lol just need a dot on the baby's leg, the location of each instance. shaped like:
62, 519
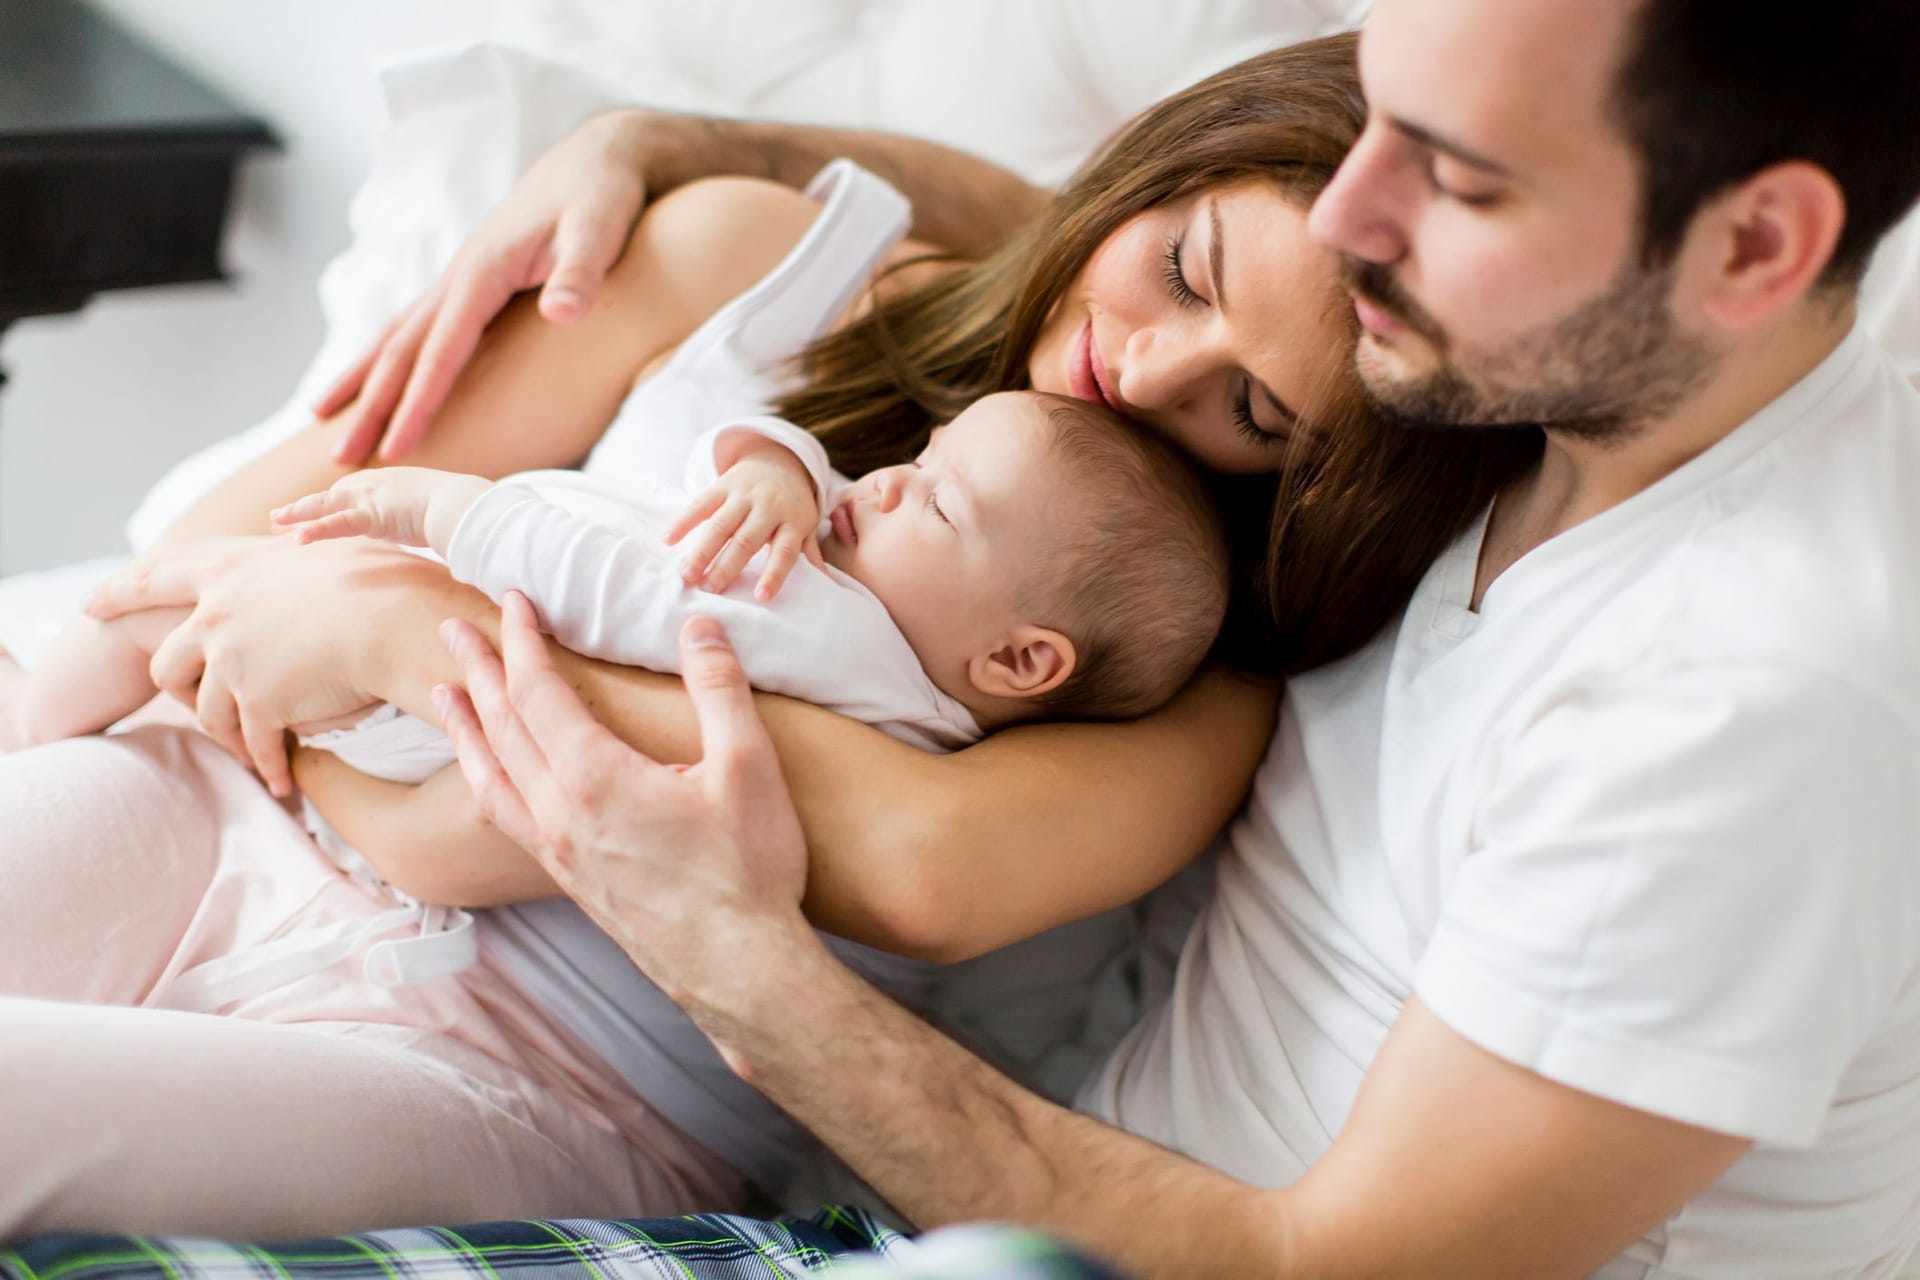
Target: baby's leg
93, 674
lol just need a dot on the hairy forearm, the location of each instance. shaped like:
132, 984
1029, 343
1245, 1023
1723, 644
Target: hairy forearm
960, 1141
429, 841
960, 201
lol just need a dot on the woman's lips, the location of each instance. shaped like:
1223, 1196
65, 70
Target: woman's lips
1087, 376
842, 522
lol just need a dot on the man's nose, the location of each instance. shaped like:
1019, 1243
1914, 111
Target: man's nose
1359, 213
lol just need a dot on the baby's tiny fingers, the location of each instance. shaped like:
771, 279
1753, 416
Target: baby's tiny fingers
752, 535
811, 549
310, 507
698, 511
351, 523
704, 545
781, 558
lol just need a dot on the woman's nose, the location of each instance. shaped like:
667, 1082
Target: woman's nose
1165, 367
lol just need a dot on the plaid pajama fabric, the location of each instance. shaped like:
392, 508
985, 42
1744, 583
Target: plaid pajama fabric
848, 1242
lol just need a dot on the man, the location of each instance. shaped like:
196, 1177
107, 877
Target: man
1577, 913
1628, 797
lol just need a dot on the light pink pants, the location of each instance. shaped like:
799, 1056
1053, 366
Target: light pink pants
328, 1105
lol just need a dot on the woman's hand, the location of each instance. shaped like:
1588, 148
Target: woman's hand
670, 860
562, 226
765, 496
250, 658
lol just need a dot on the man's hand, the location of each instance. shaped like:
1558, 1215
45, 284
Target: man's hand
764, 496
560, 228
676, 862
409, 506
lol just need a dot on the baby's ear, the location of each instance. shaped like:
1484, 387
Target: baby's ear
1033, 661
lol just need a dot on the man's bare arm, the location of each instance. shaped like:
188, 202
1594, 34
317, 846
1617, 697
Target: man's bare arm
961, 202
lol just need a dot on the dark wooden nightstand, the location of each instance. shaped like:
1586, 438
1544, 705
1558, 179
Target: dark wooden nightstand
116, 167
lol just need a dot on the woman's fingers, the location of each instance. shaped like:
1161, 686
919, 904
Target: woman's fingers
147, 584
219, 715
266, 748
500, 800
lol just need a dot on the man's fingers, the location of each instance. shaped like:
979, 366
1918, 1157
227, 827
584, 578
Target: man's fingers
555, 718
448, 345
385, 382
732, 737
500, 800
587, 241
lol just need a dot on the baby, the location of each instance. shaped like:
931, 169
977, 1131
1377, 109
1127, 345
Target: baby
1041, 557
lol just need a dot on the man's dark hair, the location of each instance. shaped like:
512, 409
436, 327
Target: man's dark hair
1711, 92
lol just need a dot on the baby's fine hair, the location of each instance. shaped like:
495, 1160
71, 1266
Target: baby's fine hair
1138, 578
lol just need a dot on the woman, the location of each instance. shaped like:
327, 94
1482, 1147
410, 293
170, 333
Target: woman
1173, 279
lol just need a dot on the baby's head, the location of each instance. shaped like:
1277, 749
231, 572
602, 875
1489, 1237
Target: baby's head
1043, 556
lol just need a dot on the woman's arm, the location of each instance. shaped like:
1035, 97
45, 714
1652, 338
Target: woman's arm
941, 857
428, 841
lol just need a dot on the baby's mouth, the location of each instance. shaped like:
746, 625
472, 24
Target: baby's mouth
842, 522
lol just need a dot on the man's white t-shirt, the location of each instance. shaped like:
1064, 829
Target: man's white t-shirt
1648, 823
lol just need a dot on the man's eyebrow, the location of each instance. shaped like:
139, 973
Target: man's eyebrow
1217, 255
1428, 138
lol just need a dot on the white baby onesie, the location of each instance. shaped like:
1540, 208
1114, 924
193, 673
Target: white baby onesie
594, 562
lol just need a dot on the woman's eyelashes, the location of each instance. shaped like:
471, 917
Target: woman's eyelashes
1176, 279
1243, 420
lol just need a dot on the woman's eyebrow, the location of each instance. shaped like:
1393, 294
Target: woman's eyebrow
1217, 256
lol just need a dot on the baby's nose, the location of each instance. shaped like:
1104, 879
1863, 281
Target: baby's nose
888, 486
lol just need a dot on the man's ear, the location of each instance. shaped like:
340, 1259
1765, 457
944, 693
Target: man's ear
1033, 661
1767, 241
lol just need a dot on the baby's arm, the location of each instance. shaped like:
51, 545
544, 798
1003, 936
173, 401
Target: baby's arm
93, 674
763, 483
411, 506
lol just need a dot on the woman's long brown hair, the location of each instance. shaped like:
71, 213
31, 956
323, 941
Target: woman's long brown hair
1328, 551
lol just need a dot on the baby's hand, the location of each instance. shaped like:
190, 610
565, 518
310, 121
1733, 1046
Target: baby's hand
765, 496
412, 506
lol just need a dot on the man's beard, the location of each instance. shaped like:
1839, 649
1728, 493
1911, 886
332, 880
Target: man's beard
1601, 372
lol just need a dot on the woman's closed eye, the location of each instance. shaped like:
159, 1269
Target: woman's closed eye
1176, 279
1243, 420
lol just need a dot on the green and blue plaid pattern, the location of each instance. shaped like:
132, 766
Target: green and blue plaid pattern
848, 1242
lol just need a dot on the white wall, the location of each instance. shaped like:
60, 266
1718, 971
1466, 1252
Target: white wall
99, 403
